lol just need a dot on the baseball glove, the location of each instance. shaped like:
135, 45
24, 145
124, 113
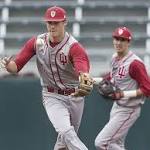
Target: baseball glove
108, 90
85, 85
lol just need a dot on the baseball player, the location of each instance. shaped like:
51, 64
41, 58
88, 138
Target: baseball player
129, 74
63, 66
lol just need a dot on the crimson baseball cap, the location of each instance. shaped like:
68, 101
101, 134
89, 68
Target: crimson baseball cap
55, 13
122, 32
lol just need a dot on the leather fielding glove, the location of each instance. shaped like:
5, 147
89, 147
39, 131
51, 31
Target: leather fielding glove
85, 85
108, 90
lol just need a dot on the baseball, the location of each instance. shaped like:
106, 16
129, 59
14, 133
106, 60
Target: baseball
39, 42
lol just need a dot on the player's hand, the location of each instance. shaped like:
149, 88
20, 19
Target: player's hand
8, 64
85, 85
5, 61
116, 95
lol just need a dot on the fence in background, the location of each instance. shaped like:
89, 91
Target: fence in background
24, 124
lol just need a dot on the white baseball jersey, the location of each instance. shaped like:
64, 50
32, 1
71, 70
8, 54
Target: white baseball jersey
121, 77
52, 61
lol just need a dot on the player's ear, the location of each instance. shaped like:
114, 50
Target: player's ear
65, 22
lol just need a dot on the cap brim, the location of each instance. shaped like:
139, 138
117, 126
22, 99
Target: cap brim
54, 20
121, 37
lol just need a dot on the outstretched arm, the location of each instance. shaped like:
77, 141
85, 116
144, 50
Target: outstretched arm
80, 61
16, 64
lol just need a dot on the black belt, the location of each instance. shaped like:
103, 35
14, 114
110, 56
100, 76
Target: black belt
61, 91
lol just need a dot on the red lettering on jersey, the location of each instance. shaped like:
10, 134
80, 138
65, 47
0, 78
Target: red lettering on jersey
63, 58
122, 72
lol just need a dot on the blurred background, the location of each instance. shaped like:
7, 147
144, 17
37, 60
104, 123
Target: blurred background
23, 121
90, 21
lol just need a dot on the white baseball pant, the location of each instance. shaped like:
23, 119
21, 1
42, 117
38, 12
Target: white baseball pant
112, 136
65, 113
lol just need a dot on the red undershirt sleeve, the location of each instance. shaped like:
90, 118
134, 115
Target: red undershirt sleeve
138, 72
79, 58
25, 54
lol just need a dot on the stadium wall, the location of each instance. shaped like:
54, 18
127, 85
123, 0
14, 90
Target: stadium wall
24, 124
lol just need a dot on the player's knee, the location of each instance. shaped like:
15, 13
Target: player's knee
70, 135
64, 148
100, 144
69, 132
62, 129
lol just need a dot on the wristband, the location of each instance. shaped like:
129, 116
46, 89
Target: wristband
129, 94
